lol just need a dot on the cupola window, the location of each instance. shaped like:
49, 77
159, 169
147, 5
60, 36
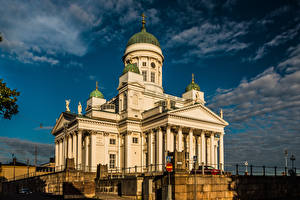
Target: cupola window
144, 73
153, 77
144, 63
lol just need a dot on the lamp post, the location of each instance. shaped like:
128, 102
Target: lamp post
286, 160
293, 158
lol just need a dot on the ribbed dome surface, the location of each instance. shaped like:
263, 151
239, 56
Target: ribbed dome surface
143, 37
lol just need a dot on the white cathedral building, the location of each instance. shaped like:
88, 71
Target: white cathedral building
141, 124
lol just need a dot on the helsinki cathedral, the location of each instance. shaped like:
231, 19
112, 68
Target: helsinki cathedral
141, 125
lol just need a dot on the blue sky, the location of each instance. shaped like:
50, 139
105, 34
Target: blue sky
245, 56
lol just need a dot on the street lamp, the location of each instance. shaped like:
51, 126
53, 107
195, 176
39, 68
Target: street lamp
293, 158
286, 157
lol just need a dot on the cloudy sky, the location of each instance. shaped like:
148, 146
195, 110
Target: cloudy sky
245, 56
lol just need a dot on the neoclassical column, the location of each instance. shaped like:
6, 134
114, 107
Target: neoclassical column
92, 151
212, 142
150, 148
198, 150
64, 150
180, 142
70, 146
61, 153
203, 148
74, 139
87, 141
221, 151
168, 138
79, 149
159, 149
119, 151
216, 155
127, 149
191, 152
56, 154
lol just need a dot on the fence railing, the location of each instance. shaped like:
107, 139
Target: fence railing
259, 170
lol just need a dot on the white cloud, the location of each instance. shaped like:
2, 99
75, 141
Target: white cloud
276, 41
263, 113
210, 39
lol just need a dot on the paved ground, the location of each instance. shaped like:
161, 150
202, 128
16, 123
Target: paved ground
42, 196
34, 196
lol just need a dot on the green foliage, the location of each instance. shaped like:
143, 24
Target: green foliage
8, 98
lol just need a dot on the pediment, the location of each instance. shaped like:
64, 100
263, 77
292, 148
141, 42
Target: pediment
62, 120
199, 112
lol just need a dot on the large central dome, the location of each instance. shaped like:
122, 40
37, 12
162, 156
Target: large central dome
143, 37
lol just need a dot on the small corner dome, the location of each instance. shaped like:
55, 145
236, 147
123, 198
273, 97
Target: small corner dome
96, 93
143, 37
131, 68
192, 86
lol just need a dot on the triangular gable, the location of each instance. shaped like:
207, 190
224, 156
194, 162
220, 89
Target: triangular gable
63, 118
199, 112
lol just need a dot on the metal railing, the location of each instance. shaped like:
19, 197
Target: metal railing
259, 170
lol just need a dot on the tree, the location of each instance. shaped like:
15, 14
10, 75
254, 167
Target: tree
8, 99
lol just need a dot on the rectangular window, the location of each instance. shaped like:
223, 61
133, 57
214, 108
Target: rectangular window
144, 64
135, 140
144, 73
112, 141
112, 160
153, 77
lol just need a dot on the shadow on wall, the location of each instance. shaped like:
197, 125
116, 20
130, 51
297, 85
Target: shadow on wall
265, 187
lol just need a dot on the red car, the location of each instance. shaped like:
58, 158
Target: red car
207, 170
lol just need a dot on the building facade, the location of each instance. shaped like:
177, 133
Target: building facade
138, 127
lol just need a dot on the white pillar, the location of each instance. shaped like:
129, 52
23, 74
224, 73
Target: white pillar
56, 154
61, 154
199, 150
212, 142
93, 152
70, 146
150, 149
180, 142
221, 153
203, 148
75, 154
159, 148
168, 138
191, 152
127, 150
119, 152
216, 155
64, 150
79, 149
87, 153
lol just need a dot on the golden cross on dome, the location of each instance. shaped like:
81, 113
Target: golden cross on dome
193, 78
96, 85
143, 20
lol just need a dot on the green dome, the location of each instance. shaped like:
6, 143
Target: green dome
143, 37
192, 85
131, 68
96, 93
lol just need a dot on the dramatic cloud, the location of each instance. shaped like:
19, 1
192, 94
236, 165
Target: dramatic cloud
43, 31
24, 150
276, 41
210, 39
264, 114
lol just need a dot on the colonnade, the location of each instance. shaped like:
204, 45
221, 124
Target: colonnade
200, 143
68, 146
